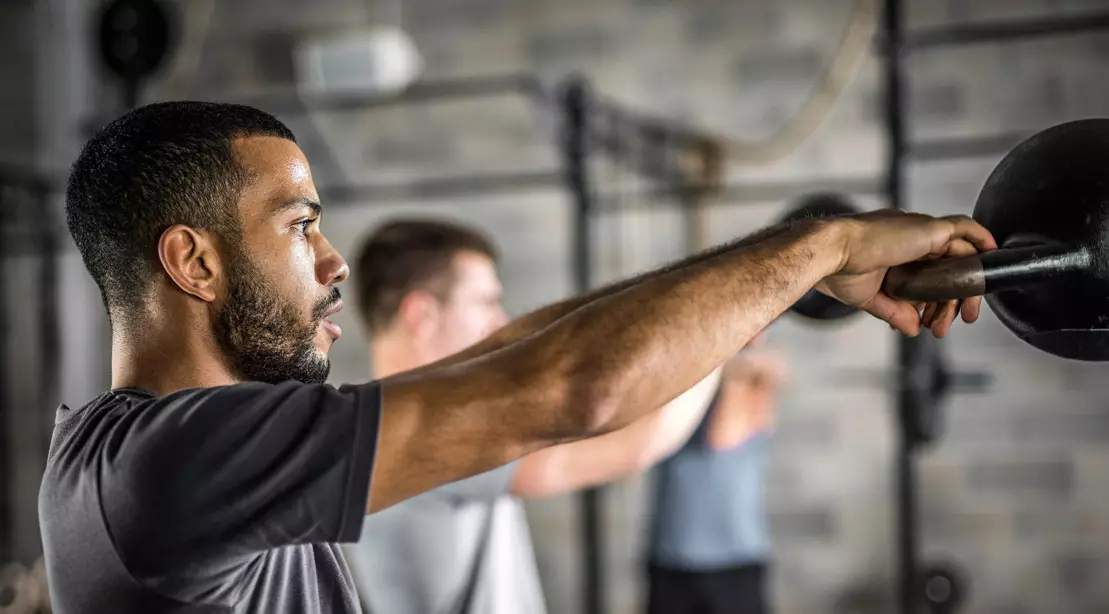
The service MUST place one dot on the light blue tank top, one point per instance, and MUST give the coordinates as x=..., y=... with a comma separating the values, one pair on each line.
x=709, y=507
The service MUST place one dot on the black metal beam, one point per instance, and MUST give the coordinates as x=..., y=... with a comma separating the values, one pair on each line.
x=663, y=196
x=7, y=454
x=937, y=150
x=443, y=187
x=1009, y=30
x=292, y=103
x=576, y=104
x=420, y=92
x=893, y=20
x=603, y=202
x=22, y=178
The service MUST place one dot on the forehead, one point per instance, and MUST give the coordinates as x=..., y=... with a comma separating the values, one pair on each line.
x=475, y=270
x=279, y=172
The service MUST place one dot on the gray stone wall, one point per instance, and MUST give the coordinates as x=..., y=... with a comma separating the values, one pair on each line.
x=1017, y=490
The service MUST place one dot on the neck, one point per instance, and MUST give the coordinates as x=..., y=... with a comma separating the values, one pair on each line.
x=391, y=353
x=165, y=361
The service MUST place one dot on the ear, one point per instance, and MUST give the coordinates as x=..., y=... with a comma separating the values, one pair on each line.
x=191, y=260
x=419, y=313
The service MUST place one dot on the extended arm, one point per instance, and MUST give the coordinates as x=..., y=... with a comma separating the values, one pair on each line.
x=539, y=319
x=581, y=464
x=611, y=361
x=598, y=368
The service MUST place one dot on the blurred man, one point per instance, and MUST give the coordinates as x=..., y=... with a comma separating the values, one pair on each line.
x=428, y=289
x=709, y=543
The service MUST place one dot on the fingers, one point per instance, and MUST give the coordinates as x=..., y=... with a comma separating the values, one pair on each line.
x=945, y=316
x=929, y=315
x=972, y=308
x=936, y=318
x=901, y=315
x=966, y=229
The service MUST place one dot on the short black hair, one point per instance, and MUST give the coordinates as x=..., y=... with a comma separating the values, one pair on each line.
x=406, y=254
x=158, y=165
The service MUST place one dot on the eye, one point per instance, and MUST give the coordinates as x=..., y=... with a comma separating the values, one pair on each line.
x=304, y=224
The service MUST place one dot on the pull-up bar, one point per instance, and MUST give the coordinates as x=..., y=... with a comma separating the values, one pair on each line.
x=1009, y=30
x=420, y=92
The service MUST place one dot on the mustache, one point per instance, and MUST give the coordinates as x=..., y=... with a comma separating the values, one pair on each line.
x=326, y=303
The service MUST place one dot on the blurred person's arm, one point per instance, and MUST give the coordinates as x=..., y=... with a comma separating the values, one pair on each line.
x=748, y=395
x=632, y=449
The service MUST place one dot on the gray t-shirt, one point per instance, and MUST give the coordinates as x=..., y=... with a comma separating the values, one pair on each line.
x=222, y=500
x=416, y=557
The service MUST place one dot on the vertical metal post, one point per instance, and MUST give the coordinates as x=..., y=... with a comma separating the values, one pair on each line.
x=575, y=130
x=50, y=342
x=7, y=456
x=905, y=478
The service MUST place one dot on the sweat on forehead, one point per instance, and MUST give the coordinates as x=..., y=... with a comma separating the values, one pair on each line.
x=278, y=171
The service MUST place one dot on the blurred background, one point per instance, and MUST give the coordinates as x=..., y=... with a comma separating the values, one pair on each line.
x=704, y=120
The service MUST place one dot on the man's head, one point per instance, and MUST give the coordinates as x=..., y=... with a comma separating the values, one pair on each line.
x=206, y=214
x=432, y=283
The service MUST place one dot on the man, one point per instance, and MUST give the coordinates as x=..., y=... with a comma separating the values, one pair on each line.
x=427, y=289
x=709, y=542
x=220, y=471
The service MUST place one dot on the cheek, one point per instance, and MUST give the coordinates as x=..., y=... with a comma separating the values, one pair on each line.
x=295, y=278
x=465, y=326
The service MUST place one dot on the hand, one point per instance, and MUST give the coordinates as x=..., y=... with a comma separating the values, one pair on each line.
x=876, y=241
x=758, y=368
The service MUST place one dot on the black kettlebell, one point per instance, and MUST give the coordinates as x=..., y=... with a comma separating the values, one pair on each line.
x=1047, y=204
x=815, y=305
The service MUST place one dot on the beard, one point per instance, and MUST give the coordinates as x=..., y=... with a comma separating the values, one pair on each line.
x=264, y=336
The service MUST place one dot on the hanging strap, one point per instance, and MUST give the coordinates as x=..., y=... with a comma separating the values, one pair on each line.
x=465, y=600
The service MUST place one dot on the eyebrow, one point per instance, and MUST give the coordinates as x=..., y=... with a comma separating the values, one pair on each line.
x=296, y=203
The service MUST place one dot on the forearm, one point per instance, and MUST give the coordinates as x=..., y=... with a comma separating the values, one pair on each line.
x=634, y=448
x=539, y=319
x=595, y=370
x=637, y=349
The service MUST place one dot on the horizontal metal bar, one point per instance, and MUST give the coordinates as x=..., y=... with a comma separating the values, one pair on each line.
x=420, y=92
x=293, y=103
x=675, y=196
x=999, y=31
x=27, y=179
x=610, y=200
x=441, y=187
x=969, y=147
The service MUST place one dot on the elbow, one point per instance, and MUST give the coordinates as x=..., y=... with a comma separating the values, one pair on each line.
x=580, y=394
x=588, y=408
x=590, y=402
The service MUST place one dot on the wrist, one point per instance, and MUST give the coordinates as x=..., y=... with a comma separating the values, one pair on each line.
x=831, y=244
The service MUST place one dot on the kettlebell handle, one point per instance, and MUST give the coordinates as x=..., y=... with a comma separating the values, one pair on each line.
x=1016, y=265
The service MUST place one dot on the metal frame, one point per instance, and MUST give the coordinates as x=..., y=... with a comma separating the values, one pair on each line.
x=35, y=190
x=896, y=46
x=1006, y=30
x=575, y=151
x=905, y=470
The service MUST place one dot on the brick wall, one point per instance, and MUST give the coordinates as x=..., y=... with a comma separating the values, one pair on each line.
x=1016, y=492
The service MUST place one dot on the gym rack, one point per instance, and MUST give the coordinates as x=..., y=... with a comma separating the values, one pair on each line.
x=940, y=588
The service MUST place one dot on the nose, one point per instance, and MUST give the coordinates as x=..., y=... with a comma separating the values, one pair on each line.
x=331, y=268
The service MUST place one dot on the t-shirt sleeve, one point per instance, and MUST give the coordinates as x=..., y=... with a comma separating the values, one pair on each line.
x=481, y=487
x=204, y=476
